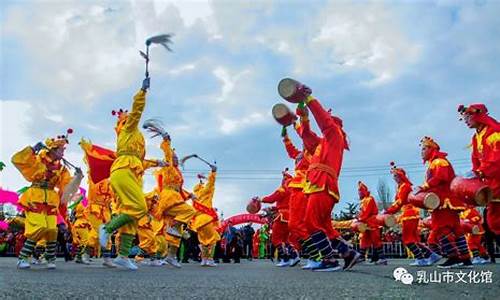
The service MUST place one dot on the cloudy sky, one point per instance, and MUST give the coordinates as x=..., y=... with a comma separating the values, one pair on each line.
x=394, y=71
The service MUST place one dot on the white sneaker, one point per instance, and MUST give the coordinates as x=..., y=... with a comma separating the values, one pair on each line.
x=419, y=262
x=125, y=262
x=173, y=232
x=173, y=262
x=35, y=261
x=108, y=262
x=51, y=265
x=23, y=264
x=103, y=236
x=479, y=261
x=143, y=262
x=210, y=263
x=86, y=259
x=294, y=261
x=155, y=263
x=283, y=263
x=162, y=262
x=311, y=264
x=434, y=258
x=381, y=262
x=203, y=262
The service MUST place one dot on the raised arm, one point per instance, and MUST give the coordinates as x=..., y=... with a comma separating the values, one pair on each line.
x=28, y=164
x=274, y=197
x=310, y=138
x=137, y=109
x=322, y=117
x=290, y=148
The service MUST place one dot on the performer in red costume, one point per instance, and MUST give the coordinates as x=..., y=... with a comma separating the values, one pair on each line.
x=298, y=200
x=471, y=216
x=486, y=163
x=409, y=219
x=368, y=210
x=445, y=218
x=322, y=187
x=279, y=237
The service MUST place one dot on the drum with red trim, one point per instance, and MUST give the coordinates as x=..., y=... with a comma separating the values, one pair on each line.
x=283, y=115
x=293, y=91
x=425, y=200
x=472, y=191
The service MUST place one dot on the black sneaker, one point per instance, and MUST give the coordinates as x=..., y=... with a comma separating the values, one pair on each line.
x=465, y=263
x=351, y=260
x=328, y=266
x=449, y=263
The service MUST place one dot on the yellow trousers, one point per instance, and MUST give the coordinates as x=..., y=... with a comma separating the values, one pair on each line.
x=207, y=235
x=147, y=239
x=95, y=221
x=175, y=206
x=39, y=226
x=81, y=236
x=161, y=244
x=127, y=188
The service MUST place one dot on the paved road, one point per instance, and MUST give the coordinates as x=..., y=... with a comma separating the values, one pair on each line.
x=248, y=280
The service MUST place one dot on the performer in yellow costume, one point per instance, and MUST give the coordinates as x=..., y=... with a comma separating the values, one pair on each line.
x=41, y=165
x=99, y=212
x=126, y=179
x=81, y=233
x=205, y=221
x=148, y=245
x=171, y=207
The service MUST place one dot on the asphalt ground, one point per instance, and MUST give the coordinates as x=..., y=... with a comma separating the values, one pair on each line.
x=258, y=279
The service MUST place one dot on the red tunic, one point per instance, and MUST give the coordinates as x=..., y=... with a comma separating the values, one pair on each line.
x=281, y=197
x=486, y=157
x=367, y=211
x=302, y=159
x=473, y=217
x=410, y=212
x=439, y=175
x=326, y=161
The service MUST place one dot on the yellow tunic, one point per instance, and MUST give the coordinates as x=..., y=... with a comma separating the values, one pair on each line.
x=203, y=223
x=45, y=192
x=172, y=195
x=81, y=227
x=100, y=197
x=128, y=169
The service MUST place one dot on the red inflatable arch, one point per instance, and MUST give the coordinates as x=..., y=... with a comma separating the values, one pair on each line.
x=243, y=218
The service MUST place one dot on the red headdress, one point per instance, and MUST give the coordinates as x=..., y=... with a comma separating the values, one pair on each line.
x=479, y=113
x=122, y=116
x=59, y=141
x=427, y=141
x=399, y=172
x=286, y=176
x=340, y=123
x=363, y=190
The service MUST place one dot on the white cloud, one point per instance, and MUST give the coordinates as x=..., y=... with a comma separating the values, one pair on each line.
x=229, y=126
x=364, y=36
x=13, y=137
x=80, y=51
x=228, y=81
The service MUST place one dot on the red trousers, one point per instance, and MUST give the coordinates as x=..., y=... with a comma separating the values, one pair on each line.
x=370, y=238
x=493, y=217
x=444, y=222
x=474, y=242
x=296, y=222
x=319, y=214
x=280, y=232
x=411, y=234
